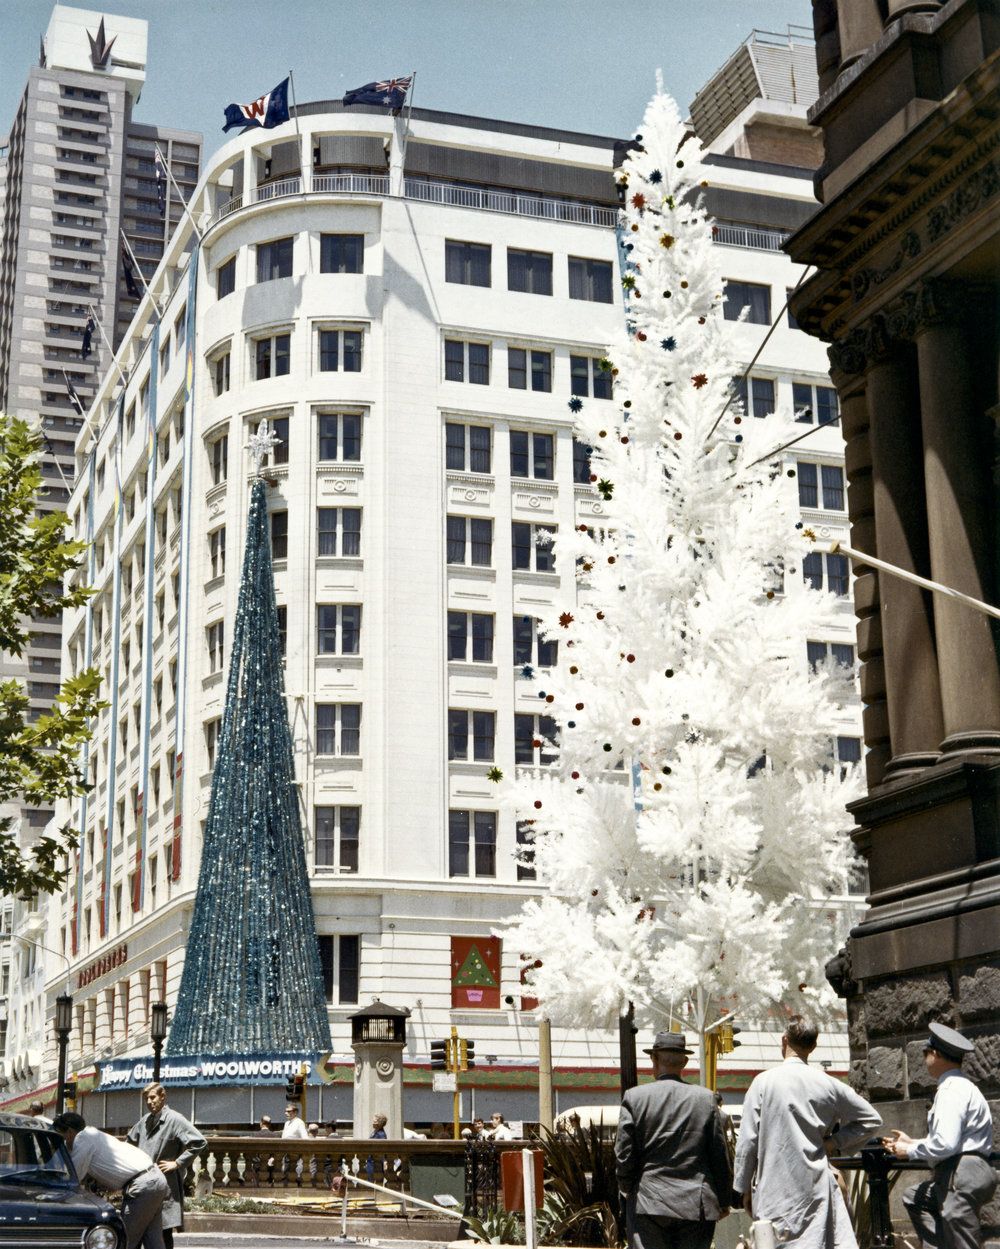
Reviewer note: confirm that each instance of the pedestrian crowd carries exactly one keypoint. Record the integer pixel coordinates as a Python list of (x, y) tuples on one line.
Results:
[(679, 1173)]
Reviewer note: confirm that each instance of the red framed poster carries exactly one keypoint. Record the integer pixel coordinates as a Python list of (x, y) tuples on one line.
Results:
[(475, 972)]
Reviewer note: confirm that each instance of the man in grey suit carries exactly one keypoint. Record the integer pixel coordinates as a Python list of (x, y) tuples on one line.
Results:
[(672, 1163)]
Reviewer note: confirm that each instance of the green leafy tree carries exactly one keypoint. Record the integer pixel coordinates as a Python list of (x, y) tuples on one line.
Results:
[(39, 761)]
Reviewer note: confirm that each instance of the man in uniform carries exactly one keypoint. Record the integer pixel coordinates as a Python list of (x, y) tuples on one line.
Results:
[(672, 1162), (945, 1209), (172, 1143), (794, 1117)]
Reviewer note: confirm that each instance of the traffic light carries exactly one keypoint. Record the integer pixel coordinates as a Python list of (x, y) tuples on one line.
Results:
[(291, 1090), (727, 1038), (466, 1055), (440, 1055), (69, 1093)]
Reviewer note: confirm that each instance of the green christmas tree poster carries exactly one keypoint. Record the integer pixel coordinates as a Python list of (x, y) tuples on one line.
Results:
[(475, 972)]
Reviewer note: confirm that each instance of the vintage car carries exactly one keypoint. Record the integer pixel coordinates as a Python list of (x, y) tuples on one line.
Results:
[(41, 1201)]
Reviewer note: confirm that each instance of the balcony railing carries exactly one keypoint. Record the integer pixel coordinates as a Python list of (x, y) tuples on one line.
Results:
[(734, 234), (515, 203)]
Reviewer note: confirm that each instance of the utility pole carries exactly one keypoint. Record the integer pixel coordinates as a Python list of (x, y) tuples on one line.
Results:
[(545, 1072), (629, 1071)]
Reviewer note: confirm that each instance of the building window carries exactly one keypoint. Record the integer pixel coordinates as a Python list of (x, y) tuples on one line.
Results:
[(212, 740), (279, 535), (466, 362), (214, 637), (283, 629), (338, 729), (338, 837), (532, 455), (341, 253), (792, 323), (467, 263), (760, 400), (532, 735), (279, 451), (467, 448), (338, 623), (472, 843), (481, 725), (814, 403), (588, 377), (841, 653), (836, 572), (219, 459), (345, 521), (340, 350), (470, 541), (217, 551), (272, 356), (814, 477), (848, 752), (751, 295), (525, 854), (529, 271), (470, 636), (274, 260), (517, 369), (531, 547), (165, 357), (340, 961), (581, 462), (220, 373), (339, 436), (590, 279), (225, 277), (530, 648)]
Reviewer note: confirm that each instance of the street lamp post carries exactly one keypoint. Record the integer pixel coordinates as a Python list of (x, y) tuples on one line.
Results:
[(64, 1025), (157, 1032)]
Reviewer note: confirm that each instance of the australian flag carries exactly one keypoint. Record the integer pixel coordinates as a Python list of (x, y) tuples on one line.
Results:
[(268, 111), (88, 334), (391, 92), (129, 273), (161, 183), (73, 397)]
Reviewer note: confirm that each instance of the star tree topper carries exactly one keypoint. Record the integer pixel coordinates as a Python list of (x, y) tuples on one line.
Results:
[(260, 444)]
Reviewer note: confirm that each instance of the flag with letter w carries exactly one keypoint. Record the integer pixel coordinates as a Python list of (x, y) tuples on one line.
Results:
[(268, 111), (391, 92)]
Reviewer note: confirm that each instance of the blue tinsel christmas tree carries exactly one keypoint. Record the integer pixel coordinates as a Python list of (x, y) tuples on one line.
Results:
[(252, 979)]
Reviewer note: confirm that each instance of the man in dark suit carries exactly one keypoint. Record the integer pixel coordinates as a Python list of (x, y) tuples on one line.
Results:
[(672, 1162)]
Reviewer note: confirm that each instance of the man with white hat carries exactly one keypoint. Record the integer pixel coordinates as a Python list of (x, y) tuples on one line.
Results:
[(672, 1162), (945, 1210)]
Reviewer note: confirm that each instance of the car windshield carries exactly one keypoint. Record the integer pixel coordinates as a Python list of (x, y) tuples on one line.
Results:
[(34, 1156)]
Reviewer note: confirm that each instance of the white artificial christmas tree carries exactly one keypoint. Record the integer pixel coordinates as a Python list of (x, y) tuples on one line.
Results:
[(694, 822)]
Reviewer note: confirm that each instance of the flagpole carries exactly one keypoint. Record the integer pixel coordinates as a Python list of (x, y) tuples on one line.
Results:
[(859, 557), (142, 277), (304, 165), (173, 182), (107, 343), (406, 128)]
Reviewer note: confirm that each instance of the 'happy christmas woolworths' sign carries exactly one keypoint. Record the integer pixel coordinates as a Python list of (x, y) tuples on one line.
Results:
[(475, 972)]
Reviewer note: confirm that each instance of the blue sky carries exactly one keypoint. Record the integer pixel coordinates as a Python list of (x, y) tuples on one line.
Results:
[(586, 65)]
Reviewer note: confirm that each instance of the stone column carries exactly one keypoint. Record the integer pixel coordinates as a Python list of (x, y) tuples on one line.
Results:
[(860, 25), (378, 1086), (861, 508), (898, 7), (958, 478), (911, 672)]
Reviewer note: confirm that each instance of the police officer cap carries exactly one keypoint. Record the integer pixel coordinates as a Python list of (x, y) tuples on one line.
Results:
[(949, 1042)]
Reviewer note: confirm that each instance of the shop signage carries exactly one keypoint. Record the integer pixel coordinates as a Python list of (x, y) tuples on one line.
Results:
[(202, 1070)]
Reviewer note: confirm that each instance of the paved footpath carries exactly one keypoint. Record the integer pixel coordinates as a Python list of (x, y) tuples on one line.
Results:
[(248, 1240)]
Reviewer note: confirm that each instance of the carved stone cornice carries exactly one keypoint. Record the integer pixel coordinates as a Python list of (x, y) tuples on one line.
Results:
[(918, 309)]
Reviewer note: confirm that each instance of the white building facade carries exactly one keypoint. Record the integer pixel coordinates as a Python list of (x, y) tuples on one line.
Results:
[(414, 335)]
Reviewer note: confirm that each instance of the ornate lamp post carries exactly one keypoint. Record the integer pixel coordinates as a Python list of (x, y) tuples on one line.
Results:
[(157, 1032), (64, 1025)]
